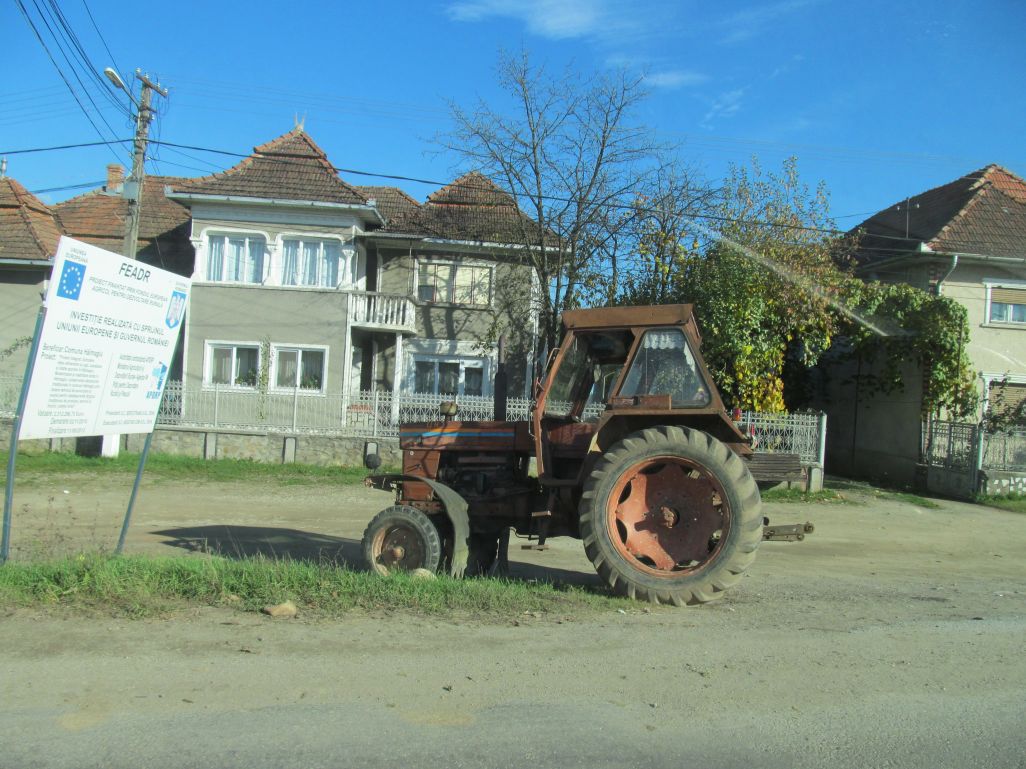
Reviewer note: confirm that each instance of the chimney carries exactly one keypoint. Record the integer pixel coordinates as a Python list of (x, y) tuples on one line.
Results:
[(115, 177)]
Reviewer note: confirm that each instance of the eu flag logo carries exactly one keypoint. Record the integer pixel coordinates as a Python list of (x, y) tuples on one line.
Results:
[(70, 285)]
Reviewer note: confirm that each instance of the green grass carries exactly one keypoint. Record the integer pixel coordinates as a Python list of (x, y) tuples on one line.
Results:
[(169, 467), (797, 496), (144, 586), (1015, 503)]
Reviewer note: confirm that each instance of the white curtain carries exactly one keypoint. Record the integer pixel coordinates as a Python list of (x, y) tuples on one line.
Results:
[(215, 259), (255, 260), (329, 264), (288, 265), (308, 264)]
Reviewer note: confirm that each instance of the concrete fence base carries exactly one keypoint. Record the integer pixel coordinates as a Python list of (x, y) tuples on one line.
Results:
[(275, 448)]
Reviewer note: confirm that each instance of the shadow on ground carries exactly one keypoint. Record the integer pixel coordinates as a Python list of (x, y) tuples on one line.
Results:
[(240, 542)]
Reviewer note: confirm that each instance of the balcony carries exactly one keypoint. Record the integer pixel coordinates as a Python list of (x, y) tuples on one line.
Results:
[(382, 312)]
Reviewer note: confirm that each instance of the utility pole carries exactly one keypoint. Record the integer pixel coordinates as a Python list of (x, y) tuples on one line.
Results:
[(134, 183), (132, 191)]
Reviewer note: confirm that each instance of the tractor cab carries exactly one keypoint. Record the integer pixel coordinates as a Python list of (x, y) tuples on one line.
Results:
[(616, 371)]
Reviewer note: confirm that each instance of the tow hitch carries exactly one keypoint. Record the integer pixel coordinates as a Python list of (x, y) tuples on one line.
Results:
[(788, 532)]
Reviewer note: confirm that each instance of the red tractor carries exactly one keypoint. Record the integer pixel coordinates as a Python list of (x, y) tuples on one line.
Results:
[(633, 453)]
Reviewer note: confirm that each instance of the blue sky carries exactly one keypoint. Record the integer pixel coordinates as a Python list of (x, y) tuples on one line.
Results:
[(878, 99)]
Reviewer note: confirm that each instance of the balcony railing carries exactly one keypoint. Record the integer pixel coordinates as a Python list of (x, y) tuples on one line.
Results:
[(385, 311)]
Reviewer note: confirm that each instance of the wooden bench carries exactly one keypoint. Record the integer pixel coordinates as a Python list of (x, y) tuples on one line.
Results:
[(777, 468)]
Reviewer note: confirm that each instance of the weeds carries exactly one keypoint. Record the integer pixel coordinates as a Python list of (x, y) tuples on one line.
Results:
[(1015, 503), (142, 586), (828, 496)]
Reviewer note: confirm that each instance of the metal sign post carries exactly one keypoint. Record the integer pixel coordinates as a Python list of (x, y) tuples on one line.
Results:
[(5, 541)]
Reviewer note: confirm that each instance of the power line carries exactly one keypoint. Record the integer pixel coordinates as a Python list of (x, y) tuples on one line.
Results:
[(64, 147), (100, 35), (81, 186), (295, 158), (60, 72)]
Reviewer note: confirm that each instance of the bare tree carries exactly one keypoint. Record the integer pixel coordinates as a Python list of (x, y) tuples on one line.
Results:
[(568, 152)]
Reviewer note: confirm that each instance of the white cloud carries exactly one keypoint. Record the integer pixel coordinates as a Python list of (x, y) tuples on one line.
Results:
[(726, 105), (752, 22), (675, 78), (554, 19)]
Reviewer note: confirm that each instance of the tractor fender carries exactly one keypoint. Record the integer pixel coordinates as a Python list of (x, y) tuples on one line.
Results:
[(455, 509)]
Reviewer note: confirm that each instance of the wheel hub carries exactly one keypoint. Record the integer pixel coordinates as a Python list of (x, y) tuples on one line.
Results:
[(667, 516)]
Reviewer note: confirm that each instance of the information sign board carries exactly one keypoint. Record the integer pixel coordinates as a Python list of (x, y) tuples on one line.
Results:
[(106, 345)]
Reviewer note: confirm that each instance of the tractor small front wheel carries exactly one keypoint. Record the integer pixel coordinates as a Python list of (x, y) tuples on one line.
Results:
[(401, 538)]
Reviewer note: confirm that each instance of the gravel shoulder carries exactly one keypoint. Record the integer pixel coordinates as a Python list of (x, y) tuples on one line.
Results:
[(890, 637)]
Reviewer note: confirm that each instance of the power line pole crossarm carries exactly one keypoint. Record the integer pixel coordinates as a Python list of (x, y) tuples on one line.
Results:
[(134, 184)]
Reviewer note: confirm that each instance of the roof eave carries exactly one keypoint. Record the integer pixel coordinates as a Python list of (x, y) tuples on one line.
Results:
[(27, 262), (929, 253), (197, 197), (491, 245)]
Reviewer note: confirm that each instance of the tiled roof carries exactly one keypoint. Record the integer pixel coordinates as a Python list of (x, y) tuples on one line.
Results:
[(390, 201), (472, 208), (98, 217), (101, 214), (27, 227), (983, 212), (291, 167)]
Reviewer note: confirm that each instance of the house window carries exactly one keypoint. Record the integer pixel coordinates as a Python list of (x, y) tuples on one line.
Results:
[(438, 376), (452, 282), (236, 258), (310, 262), (233, 365), (299, 367), (1006, 304)]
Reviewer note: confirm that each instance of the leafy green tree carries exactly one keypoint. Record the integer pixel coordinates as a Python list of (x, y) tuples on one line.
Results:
[(761, 275), (772, 288)]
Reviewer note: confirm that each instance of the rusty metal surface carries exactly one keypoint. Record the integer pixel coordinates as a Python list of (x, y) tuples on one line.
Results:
[(610, 317), (787, 532), (667, 516)]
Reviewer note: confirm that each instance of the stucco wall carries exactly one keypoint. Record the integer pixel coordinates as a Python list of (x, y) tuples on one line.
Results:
[(255, 315), (20, 297), (993, 348)]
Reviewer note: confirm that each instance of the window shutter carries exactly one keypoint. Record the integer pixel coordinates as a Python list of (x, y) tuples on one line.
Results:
[(1008, 295)]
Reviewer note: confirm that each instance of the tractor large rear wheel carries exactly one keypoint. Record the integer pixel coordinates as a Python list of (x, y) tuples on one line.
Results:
[(671, 515)]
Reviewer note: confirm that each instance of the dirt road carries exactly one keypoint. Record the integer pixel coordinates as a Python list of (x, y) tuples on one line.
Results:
[(891, 637)]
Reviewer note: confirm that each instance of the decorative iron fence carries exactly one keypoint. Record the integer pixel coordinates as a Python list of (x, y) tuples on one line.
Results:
[(375, 415), (1005, 451), (801, 433), (950, 444), (955, 445), (10, 389)]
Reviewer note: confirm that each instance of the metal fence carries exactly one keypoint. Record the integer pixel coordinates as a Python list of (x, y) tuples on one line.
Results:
[(802, 433), (1005, 451), (952, 445), (374, 414), (955, 445)]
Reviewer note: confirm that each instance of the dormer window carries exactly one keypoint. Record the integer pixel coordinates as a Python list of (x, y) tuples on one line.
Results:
[(236, 258)]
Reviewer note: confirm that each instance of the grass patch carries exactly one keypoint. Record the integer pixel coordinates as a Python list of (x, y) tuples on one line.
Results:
[(159, 467), (828, 496), (1015, 503), (142, 586)]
